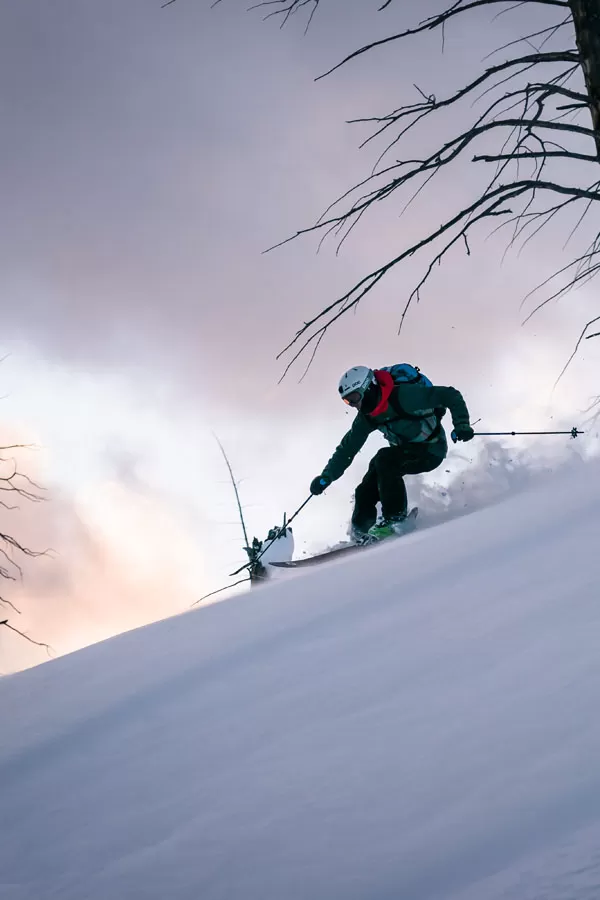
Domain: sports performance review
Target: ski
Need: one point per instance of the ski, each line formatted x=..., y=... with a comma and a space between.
x=410, y=523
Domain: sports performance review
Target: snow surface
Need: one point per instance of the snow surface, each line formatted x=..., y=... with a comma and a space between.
x=419, y=721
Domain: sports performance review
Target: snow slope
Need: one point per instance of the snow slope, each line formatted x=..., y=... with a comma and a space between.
x=419, y=721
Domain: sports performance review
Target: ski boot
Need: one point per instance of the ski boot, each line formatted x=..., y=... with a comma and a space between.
x=359, y=536
x=393, y=526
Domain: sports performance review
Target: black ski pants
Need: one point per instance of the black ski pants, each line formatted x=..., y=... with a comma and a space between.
x=384, y=481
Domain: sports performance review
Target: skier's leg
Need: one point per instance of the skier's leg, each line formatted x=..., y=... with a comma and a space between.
x=366, y=498
x=390, y=483
x=391, y=464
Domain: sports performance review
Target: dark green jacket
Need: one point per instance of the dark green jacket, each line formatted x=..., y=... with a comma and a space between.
x=412, y=399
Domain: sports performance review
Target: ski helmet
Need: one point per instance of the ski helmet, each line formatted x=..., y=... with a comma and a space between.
x=354, y=384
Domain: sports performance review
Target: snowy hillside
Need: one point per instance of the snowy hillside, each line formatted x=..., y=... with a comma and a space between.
x=419, y=721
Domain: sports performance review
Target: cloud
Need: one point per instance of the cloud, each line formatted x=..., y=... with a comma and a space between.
x=119, y=559
x=150, y=156
x=122, y=552
x=145, y=189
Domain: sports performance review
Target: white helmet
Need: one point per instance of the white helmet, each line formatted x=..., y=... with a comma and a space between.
x=355, y=381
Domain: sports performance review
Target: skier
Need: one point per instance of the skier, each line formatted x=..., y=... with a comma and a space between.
x=408, y=412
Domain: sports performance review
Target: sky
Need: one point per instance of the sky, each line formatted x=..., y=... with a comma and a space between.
x=150, y=156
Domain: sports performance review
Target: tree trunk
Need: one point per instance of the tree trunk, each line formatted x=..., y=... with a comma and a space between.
x=586, y=18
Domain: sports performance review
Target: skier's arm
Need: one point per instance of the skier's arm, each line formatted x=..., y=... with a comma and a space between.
x=349, y=446
x=415, y=397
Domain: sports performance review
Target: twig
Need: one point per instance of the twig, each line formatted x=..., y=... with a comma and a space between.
x=49, y=650
x=220, y=590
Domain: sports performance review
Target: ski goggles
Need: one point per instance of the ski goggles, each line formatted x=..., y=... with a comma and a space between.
x=354, y=398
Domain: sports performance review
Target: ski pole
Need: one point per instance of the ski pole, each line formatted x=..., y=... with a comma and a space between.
x=273, y=539
x=300, y=508
x=573, y=432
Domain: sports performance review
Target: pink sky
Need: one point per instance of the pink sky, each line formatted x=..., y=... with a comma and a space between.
x=149, y=157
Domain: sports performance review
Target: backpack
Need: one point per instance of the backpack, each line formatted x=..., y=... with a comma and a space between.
x=404, y=373
x=431, y=419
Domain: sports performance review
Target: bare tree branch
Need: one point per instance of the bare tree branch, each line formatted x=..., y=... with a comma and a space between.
x=523, y=115
x=499, y=196
x=255, y=569
x=541, y=154
x=574, y=353
x=10, y=605
x=541, y=115
x=6, y=623
x=227, y=586
x=430, y=103
x=235, y=488
x=21, y=486
x=549, y=32
x=428, y=24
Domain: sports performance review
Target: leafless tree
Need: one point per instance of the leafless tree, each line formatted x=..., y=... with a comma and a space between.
x=15, y=486
x=533, y=116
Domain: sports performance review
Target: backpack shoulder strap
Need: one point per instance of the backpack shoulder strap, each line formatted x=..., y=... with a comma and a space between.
x=397, y=407
x=403, y=414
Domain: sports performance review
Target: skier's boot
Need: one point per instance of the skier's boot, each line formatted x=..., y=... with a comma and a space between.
x=390, y=527
x=359, y=535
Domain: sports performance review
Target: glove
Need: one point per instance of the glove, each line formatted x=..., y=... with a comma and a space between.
x=318, y=484
x=463, y=433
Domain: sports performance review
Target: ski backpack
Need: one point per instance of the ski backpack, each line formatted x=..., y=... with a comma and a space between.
x=430, y=419
x=404, y=373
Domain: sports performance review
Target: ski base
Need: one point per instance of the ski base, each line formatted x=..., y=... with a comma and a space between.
x=410, y=523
